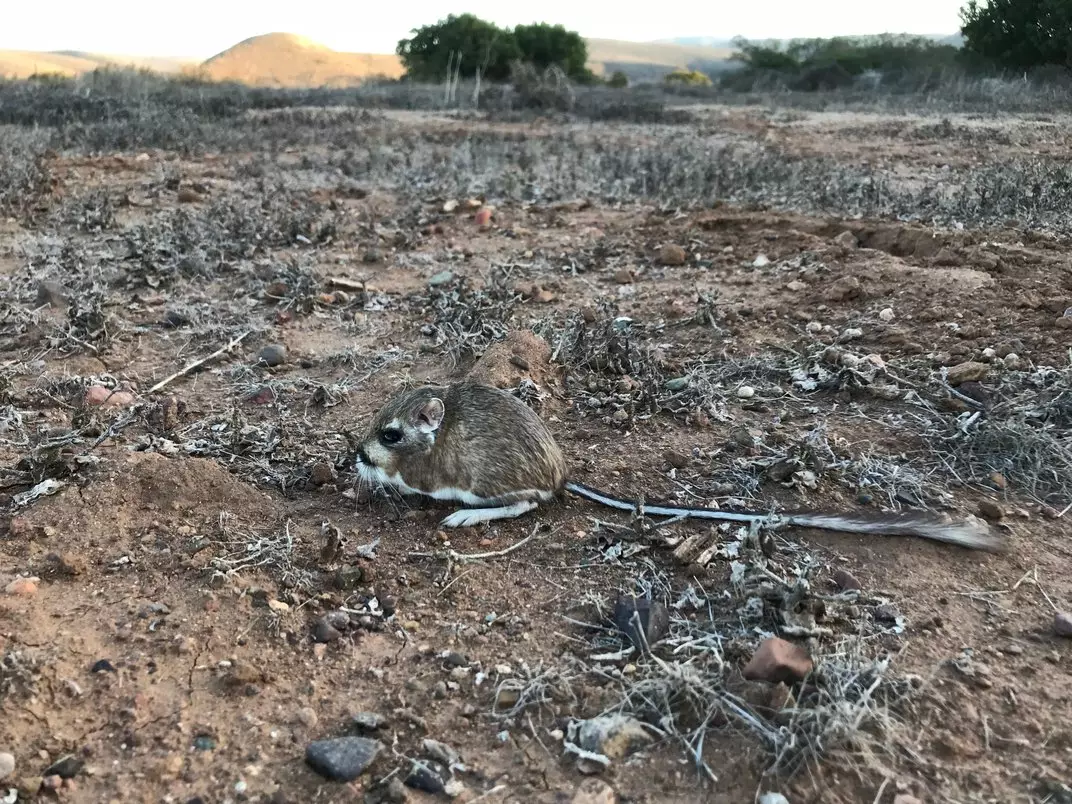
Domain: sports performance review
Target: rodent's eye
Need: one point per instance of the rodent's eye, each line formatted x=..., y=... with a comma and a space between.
x=391, y=436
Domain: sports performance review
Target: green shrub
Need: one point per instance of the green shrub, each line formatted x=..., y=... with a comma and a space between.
x=691, y=78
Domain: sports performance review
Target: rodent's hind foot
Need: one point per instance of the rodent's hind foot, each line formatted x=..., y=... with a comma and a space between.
x=467, y=517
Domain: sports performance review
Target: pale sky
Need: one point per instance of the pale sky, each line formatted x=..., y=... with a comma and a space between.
x=198, y=29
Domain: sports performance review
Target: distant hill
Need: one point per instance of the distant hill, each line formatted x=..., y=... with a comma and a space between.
x=727, y=42
x=289, y=60
x=24, y=63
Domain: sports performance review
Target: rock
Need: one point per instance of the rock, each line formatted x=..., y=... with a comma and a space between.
x=521, y=355
x=847, y=240
x=188, y=196
x=746, y=392
x=66, y=767
x=99, y=396
x=368, y=721
x=342, y=759
x=52, y=294
x=672, y=254
x=1062, y=624
x=772, y=798
x=904, y=798
x=273, y=354
x=998, y=481
x=676, y=459
x=623, y=277
x=947, y=257
x=372, y=255
x=761, y=261
x=594, y=791
x=1064, y=322
x=307, y=717
x=440, y=279
x=324, y=631
x=427, y=776
x=887, y=314
x=843, y=289
x=845, y=580
x=22, y=587
x=613, y=736
x=653, y=616
x=440, y=752
x=7, y=764
x=396, y=791
x=450, y=205
x=988, y=509
x=967, y=372
x=321, y=474
x=778, y=660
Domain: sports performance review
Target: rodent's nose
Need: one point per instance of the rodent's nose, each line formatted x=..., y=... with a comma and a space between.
x=362, y=456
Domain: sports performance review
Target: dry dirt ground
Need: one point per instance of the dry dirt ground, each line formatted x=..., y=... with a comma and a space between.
x=184, y=545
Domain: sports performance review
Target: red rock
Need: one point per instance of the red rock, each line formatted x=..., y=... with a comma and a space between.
x=777, y=660
x=483, y=217
x=672, y=254
x=99, y=396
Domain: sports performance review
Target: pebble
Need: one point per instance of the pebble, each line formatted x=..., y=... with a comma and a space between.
x=796, y=286
x=746, y=392
x=342, y=758
x=969, y=371
x=845, y=580
x=273, y=354
x=307, y=717
x=22, y=587
x=321, y=474
x=887, y=314
x=623, y=277
x=52, y=294
x=368, y=721
x=761, y=261
x=843, y=289
x=847, y=240
x=614, y=736
x=904, y=798
x=773, y=798
x=777, y=660
x=324, y=631
x=483, y=216
x=654, y=620
x=1062, y=624
x=427, y=776
x=988, y=509
x=672, y=254
x=66, y=767
x=7, y=764
x=99, y=396
x=442, y=278
x=594, y=791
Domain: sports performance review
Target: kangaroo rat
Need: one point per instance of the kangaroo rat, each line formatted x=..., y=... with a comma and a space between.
x=487, y=449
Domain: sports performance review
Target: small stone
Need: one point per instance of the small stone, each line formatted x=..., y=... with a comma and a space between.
x=654, y=620
x=440, y=279
x=988, y=509
x=1062, y=624
x=68, y=564
x=677, y=384
x=843, y=289
x=324, y=631
x=427, y=776
x=52, y=294
x=483, y=217
x=594, y=791
x=368, y=721
x=102, y=666
x=276, y=290
x=66, y=767
x=772, y=798
x=99, y=396
x=746, y=392
x=904, y=798
x=998, y=481
x=778, y=660
x=273, y=354
x=372, y=255
x=845, y=580
x=450, y=205
x=796, y=286
x=7, y=764
x=887, y=314
x=967, y=372
x=847, y=240
x=188, y=196
x=623, y=277
x=676, y=459
x=321, y=474
x=1064, y=322
x=22, y=587
x=614, y=736
x=1012, y=361
x=306, y=717
x=342, y=759
x=672, y=254
x=761, y=261
x=542, y=295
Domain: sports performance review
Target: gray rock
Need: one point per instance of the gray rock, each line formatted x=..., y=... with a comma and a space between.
x=613, y=736
x=273, y=354
x=1062, y=624
x=324, y=631
x=52, y=294
x=442, y=278
x=654, y=620
x=427, y=776
x=342, y=759
x=7, y=764
x=65, y=767
x=368, y=721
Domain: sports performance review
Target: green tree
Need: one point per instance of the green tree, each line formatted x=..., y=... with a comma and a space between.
x=433, y=49
x=1019, y=34
x=618, y=80
x=543, y=45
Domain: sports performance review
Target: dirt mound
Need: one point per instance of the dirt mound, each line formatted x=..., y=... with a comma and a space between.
x=140, y=497
x=288, y=60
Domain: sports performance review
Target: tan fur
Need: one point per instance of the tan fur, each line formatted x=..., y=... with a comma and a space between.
x=490, y=444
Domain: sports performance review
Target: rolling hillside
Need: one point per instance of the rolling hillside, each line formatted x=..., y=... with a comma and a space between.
x=289, y=60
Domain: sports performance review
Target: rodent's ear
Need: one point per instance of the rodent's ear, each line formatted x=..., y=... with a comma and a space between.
x=429, y=416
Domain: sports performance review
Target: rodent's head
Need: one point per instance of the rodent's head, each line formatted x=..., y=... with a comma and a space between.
x=405, y=427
